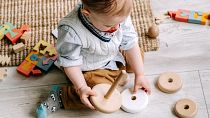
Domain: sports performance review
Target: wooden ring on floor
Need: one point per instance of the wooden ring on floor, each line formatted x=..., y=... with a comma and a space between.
x=134, y=103
x=169, y=82
x=112, y=104
x=185, y=108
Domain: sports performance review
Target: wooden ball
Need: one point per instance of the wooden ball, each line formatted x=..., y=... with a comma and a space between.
x=112, y=104
x=185, y=108
x=169, y=82
x=153, y=31
x=134, y=103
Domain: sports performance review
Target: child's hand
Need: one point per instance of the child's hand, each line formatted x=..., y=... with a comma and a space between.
x=141, y=83
x=84, y=93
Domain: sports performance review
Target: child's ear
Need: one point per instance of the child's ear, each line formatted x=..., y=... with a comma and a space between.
x=85, y=11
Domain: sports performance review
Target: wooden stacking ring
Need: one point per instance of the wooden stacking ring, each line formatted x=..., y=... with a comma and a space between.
x=134, y=103
x=107, y=98
x=169, y=82
x=185, y=108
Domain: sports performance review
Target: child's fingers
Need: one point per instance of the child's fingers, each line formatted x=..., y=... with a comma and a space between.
x=88, y=104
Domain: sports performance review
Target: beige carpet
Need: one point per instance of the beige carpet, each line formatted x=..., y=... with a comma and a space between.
x=43, y=16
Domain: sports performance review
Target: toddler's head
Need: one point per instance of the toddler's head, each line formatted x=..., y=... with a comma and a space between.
x=106, y=15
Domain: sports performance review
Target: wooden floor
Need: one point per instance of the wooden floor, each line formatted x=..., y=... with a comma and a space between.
x=185, y=49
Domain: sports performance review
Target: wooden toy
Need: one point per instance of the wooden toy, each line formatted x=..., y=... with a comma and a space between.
x=25, y=68
x=45, y=65
x=19, y=33
x=7, y=28
x=18, y=47
x=33, y=57
x=153, y=31
x=3, y=73
x=36, y=72
x=44, y=47
x=204, y=18
x=185, y=108
x=25, y=37
x=134, y=103
x=169, y=82
x=4, y=60
x=107, y=99
x=182, y=15
x=195, y=17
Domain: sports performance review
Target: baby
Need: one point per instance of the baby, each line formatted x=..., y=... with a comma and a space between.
x=93, y=41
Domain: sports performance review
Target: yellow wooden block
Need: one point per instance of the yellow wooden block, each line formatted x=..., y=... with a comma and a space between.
x=204, y=18
x=44, y=47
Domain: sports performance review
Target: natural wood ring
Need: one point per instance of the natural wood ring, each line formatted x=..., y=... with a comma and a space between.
x=102, y=104
x=185, y=108
x=169, y=82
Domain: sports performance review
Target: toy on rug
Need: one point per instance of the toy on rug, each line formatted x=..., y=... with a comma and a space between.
x=4, y=60
x=190, y=16
x=9, y=31
x=108, y=99
x=153, y=31
x=185, y=108
x=40, y=59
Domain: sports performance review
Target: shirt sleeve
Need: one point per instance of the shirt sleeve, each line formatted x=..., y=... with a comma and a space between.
x=68, y=47
x=130, y=36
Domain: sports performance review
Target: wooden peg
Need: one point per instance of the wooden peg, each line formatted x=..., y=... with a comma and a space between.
x=108, y=99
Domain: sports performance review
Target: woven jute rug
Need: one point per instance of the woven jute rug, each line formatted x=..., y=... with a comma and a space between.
x=43, y=15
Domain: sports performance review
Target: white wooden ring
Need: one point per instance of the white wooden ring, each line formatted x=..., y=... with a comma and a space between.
x=134, y=103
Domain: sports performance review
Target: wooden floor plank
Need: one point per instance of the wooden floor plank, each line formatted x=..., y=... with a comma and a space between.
x=23, y=101
x=16, y=80
x=205, y=79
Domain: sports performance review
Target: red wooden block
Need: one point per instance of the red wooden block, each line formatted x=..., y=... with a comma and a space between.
x=19, y=33
x=36, y=72
x=172, y=14
x=182, y=15
x=25, y=68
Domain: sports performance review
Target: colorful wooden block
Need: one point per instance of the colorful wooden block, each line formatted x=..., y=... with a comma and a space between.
x=7, y=28
x=44, y=67
x=172, y=14
x=25, y=37
x=182, y=15
x=36, y=72
x=54, y=58
x=204, y=18
x=4, y=60
x=19, y=33
x=44, y=47
x=25, y=68
x=195, y=17
x=33, y=57
x=18, y=47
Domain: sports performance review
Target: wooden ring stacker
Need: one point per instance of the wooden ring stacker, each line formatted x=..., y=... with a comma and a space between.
x=185, y=108
x=134, y=103
x=108, y=99
x=169, y=82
